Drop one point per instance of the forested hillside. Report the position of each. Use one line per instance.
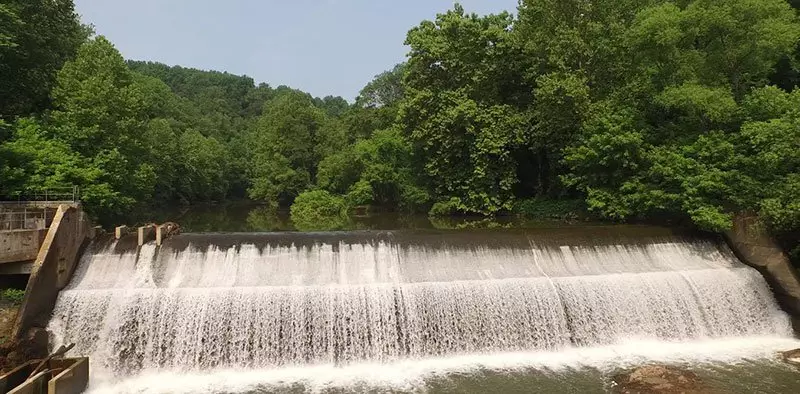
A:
(643, 109)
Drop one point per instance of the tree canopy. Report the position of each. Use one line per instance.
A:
(643, 109)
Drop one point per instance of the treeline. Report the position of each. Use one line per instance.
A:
(643, 109)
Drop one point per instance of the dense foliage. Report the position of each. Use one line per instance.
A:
(642, 109)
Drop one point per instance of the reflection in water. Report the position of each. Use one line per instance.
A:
(247, 217)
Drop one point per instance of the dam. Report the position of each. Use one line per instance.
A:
(261, 312)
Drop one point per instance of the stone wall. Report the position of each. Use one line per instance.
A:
(751, 243)
(69, 233)
(20, 245)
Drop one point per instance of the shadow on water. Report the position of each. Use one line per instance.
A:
(247, 217)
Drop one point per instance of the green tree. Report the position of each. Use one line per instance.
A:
(681, 144)
(464, 89)
(36, 38)
(290, 140)
(385, 90)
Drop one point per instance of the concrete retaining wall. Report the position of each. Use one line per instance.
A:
(20, 245)
(34, 385)
(73, 380)
(754, 247)
(69, 233)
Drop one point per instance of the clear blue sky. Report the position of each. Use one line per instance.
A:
(325, 47)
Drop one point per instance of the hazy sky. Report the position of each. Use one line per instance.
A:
(325, 47)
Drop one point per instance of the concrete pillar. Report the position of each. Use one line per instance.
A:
(120, 231)
(159, 234)
(145, 233)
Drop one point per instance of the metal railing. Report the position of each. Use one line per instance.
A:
(32, 209)
(53, 194)
(26, 219)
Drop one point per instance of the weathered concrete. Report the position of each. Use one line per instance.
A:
(20, 245)
(16, 376)
(17, 268)
(751, 243)
(120, 231)
(146, 234)
(34, 385)
(73, 379)
(69, 233)
(165, 231)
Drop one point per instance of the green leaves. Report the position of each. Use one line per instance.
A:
(715, 105)
(36, 38)
(319, 210)
(291, 139)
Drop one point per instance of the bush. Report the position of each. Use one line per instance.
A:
(13, 296)
(445, 208)
(545, 208)
(319, 210)
(360, 194)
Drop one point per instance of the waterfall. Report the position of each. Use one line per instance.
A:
(205, 302)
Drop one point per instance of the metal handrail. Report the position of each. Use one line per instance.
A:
(27, 219)
(52, 194)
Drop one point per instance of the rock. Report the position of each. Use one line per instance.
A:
(38, 339)
(652, 379)
(170, 229)
(792, 357)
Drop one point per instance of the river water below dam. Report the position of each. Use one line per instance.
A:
(536, 310)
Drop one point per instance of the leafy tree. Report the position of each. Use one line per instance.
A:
(386, 90)
(333, 106)
(681, 148)
(36, 162)
(36, 38)
(463, 89)
(291, 138)
(203, 167)
(375, 171)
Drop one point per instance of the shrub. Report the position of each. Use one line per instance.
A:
(319, 210)
(360, 194)
(13, 296)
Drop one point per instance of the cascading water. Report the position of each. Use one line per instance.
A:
(275, 302)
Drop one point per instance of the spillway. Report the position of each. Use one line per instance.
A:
(201, 304)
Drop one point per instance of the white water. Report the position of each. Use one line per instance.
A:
(388, 315)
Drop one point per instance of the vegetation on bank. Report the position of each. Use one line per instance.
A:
(12, 296)
(627, 110)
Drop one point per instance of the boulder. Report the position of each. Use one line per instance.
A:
(170, 229)
(18, 351)
(792, 357)
(652, 379)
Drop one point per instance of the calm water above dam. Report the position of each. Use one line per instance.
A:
(548, 309)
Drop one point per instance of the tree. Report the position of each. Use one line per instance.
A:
(36, 38)
(35, 162)
(385, 90)
(461, 111)
(290, 140)
(681, 144)
(375, 171)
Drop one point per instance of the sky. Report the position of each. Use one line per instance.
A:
(324, 47)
